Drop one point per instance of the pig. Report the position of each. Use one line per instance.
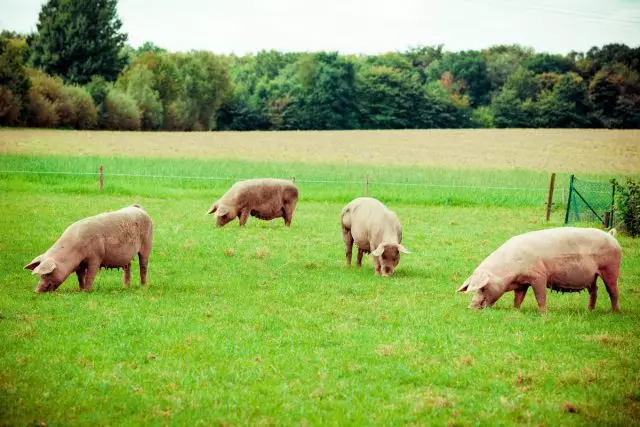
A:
(108, 240)
(264, 199)
(566, 259)
(376, 230)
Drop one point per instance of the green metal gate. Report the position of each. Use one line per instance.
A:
(590, 201)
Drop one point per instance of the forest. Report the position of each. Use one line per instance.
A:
(77, 71)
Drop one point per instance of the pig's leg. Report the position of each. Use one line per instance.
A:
(593, 293)
(539, 286)
(288, 213)
(519, 296)
(360, 254)
(127, 275)
(92, 270)
(143, 257)
(244, 216)
(81, 271)
(348, 242)
(610, 279)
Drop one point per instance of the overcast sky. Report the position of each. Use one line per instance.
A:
(361, 26)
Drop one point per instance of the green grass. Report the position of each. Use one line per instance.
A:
(266, 325)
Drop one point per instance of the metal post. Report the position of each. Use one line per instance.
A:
(613, 204)
(101, 174)
(550, 198)
(566, 215)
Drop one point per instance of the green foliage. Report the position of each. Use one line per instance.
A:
(547, 63)
(628, 204)
(78, 39)
(509, 111)
(14, 82)
(83, 110)
(469, 69)
(615, 94)
(119, 112)
(565, 106)
(482, 117)
(137, 82)
(52, 103)
(205, 84)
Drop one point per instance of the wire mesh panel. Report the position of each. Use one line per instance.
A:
(590, 201)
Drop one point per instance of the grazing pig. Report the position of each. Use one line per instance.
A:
(263, 198)
(108, 240)
(562, 259)
(376, 230)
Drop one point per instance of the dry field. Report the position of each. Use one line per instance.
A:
(549, 150)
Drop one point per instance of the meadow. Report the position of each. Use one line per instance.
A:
(267, 325)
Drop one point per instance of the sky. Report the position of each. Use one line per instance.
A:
(361, 26)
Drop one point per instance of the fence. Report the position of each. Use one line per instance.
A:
(457, 188)
(590, 201)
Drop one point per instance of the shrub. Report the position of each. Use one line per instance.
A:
(120, 112)
(628, 204)
(44, 96)
(78, 99)
(10, 107)
(52, 103)
(172, 120)
(41, 112)
(138, 82)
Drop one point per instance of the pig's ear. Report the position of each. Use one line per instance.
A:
(464, 286)
(379, 250)
(45, 267)
(33, 264)
(403, 249)
(221, 211)
(476, 285)
(212, 209)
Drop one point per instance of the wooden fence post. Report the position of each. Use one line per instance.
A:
(550, 198)
(366, 186)
(101, 174)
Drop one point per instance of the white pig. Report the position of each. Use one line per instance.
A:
(564, 259)
(375, 229)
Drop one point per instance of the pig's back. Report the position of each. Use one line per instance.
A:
(128, 225)
(557, 243)
(370, 220)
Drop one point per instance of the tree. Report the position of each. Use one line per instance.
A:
(78, 39)
(509, 111)
(615, 94)
(205, 85)
(547, 63)
(470, 69)
(138, 82)
(14, 82)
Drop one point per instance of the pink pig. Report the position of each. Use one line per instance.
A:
(563, 259)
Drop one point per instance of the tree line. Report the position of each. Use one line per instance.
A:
(77, 71)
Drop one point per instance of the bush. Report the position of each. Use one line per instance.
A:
(138, 84)
(10, 107)
(78, 99)
(172, 119)
(52, 103)
(41, 112)
(628, 203)
(120, 112)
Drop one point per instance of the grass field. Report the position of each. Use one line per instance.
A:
(266, 325)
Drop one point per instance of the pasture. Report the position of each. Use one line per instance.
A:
(266, 325)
